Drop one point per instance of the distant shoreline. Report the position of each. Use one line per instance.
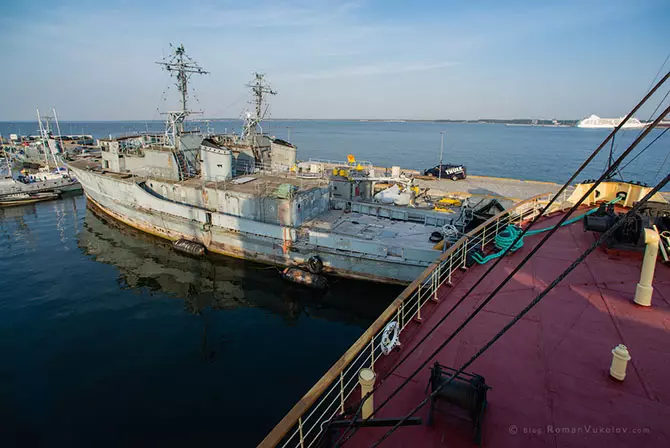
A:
(519, 121)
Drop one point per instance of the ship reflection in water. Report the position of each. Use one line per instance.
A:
(150, 264)
(109, 337)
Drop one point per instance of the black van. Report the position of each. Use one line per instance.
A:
(453, 172)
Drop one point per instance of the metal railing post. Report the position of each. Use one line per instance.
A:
(451, 256)
(418, 304)
(302, 438)
(342, 391)
(465, 253)
(372, 350)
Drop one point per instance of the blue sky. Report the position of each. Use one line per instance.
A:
(335, 59)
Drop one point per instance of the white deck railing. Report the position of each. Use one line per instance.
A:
(303, 425)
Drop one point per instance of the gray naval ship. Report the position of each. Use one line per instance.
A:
(247, 196)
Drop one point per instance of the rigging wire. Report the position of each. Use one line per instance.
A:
(161, 101)
(660, 168)
(659, 71)
(648, 120)
(231, 104)
(645, 148)
(659, 104)
(610, 158)
(519, 237)
(514, 271)
(530, 306)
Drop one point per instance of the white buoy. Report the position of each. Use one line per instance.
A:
(620, 358)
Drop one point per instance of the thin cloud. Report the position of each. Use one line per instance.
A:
(273, 15)
(373, 70)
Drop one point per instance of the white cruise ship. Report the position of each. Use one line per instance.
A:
(595, 122)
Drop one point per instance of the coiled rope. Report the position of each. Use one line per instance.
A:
(510, 236)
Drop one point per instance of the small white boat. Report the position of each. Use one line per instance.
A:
(10, 200)
(595, 122)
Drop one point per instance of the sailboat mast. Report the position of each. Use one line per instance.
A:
(47, 137)
(44, 147)
(9, 164)
(60, 135)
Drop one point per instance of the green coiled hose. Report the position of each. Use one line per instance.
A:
(504, 239)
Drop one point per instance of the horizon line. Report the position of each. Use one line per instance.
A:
(308, 119)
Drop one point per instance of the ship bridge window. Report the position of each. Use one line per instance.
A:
(105, 163)
(208, 218)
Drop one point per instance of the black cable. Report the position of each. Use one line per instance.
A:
(610, 159)
(614, 148)
(532, 304)
(659, 104)
(662, 165)
(514, 271)
(507, 250)
(645, 148)
(648, 119)
(659, 70)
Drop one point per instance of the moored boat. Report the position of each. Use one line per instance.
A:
(44, 182)
(9, 200)
(248, 196)
(595, 122)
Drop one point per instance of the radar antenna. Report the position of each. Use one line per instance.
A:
(259, 89)
(182, 67)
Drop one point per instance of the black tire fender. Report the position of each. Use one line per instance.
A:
(314, 264)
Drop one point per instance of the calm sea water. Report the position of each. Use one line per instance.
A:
(108, 337)
(523, 152)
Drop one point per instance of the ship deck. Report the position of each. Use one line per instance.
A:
(259, 183)
(247, 184)
(550, 373)
(381, 230)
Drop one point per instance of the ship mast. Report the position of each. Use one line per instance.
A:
(45, 134)
(182, 67)
(259, 89)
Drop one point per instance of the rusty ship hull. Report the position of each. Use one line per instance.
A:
(136, 204)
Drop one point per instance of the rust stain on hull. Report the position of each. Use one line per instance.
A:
(233, 252)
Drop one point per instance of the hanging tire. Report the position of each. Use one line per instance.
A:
(315, 265)
(436, 237)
